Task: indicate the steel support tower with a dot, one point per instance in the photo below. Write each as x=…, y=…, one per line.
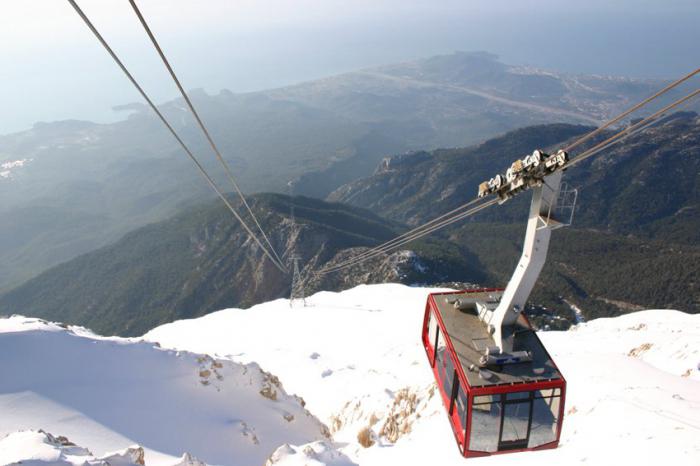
x=296, y=293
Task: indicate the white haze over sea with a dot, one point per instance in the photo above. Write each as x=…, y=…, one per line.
x=52, y=67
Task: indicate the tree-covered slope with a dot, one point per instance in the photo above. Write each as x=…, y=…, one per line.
x=636, y=226
x=602, y=273
x=417, y=186
x=201, y=260
x=648, y=184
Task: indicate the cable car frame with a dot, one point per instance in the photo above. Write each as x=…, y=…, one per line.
x=500, y=387
x=509, y=394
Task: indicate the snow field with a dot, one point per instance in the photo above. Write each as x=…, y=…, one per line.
x=633, y=383
x=108, y=393
x=633, y=393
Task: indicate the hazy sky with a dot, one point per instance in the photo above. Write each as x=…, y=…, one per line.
x=52, y=67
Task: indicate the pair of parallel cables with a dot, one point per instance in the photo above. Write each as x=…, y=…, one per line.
x=267, y=248
x=478, y=204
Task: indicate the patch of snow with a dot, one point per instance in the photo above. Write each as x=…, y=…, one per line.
x=311, y=454
x=41, y=448
x=109, y=393
x=665, y=339
x=409, y=257
x=6, y=168
x=13, y=164
x=357, y=343
x=578, y=313
x=189, y=460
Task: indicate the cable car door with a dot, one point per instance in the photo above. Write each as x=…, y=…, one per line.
x=515, y=424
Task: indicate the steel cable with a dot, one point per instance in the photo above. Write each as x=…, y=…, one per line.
x=213, y=145
x=632, y=129
x=201, y=169
x=418, y=235
x=631, y=109
x=419, y=228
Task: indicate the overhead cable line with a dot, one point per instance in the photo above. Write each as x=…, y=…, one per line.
x=213, y=145
x=640, y=125
x=631, y=109
x=453, y=217
x=399, y=238
x=377, y=252
x=199, y=166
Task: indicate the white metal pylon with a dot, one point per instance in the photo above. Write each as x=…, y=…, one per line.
x=297, y=293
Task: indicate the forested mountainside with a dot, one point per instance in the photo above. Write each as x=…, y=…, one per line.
x=601, y=273
x=416, y=186
x=201, y=260
x=636, y=227
x=633, y=244
x=70, y=187
x=646, y=185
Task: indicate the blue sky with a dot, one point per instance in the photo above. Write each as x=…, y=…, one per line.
x=52, y=68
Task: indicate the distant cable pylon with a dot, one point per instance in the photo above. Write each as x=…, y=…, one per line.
x=297, y=293
x=297, y=289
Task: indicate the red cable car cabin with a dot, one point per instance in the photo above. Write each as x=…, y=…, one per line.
x=501, y=389
x=502, y=407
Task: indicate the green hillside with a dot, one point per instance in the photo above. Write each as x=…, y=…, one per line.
x=636, y=227
x=201, y=261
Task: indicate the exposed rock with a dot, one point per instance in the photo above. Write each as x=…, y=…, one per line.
x=364, y=437
x=189, y=460
x=636, y=352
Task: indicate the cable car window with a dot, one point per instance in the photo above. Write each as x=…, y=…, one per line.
x=518, y=396
x=546, y=393
x=545, y=414
x=441, y=355
x=516, y=417
x=486, y=426
x=432, y=329
x=445, y=366
x=441, y=349
x=485, y=399
x=461, y=407
x=449, y=374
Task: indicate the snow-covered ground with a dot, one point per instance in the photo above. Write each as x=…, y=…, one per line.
x=356, y=359
x=106, y=394
x=40, y=448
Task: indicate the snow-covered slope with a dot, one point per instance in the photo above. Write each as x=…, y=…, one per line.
x=41, y=448
x=106, y=394
x=356, y=358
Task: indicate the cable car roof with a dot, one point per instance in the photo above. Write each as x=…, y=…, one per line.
x=469, y=336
